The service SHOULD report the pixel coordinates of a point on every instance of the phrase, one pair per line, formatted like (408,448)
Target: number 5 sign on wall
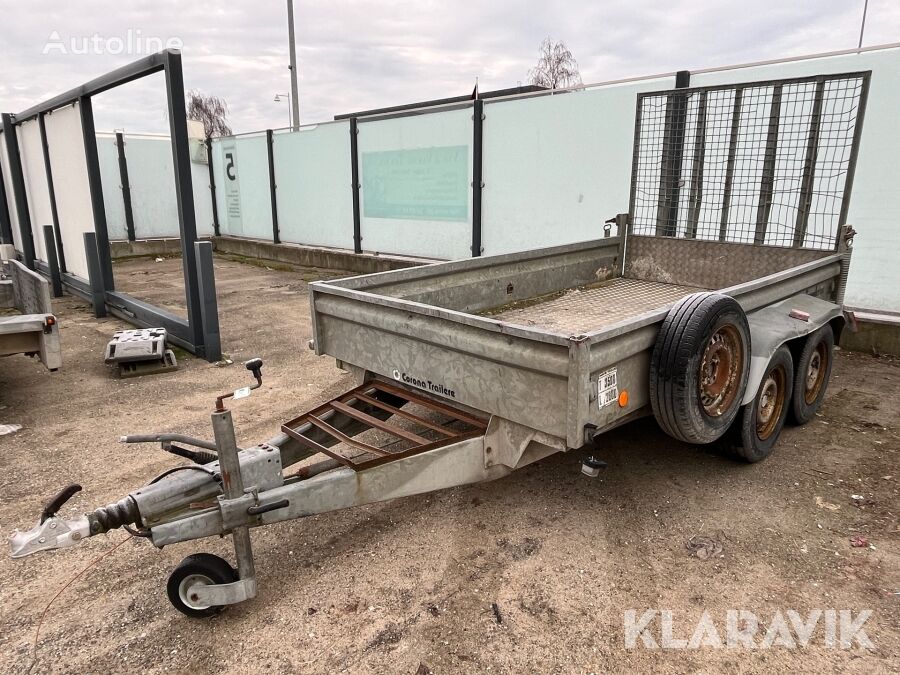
(232,187)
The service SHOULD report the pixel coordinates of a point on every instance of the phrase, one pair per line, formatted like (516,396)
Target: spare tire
(699,367)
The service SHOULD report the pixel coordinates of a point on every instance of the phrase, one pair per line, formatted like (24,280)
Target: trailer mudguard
(773,326)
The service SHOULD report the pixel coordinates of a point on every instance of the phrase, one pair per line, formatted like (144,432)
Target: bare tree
(211,110)
(556,67)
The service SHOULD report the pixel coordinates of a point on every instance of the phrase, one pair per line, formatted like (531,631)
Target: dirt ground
(532,573)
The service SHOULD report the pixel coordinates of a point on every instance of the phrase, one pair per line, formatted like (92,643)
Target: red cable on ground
(37,632)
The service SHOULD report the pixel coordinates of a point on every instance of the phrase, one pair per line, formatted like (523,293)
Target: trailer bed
(532,337)
(589,308)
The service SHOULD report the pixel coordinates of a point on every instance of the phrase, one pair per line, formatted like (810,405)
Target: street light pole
(295,96)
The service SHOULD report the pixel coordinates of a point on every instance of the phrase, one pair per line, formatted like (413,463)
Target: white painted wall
(253,204)
(31,152)
(428,238)
(70,184)
(312,175)
(152,179)
(10,196)
(113,203)
(556,167)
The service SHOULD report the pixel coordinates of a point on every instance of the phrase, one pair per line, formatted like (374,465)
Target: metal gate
(759,163)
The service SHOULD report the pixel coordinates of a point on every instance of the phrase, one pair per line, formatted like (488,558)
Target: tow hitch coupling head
(51,534)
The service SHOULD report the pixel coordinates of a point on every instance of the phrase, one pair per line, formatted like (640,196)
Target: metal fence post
(95,275)
(729,167)
(52,262)
(126,185)
(209,309)
(5,221)
(270,150)
(854,154)
(695,194)
(809,166)
(19,193)
(212,185)
(767,179)
(54,213)
(95,185)
(672,154)
(477,177)
(354,180)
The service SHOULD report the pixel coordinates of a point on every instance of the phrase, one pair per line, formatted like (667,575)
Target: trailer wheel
(699,367)
(762,420)
(812,375)
(202,568)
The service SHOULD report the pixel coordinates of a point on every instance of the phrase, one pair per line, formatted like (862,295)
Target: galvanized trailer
(33,329)
(529,337)
(465,371)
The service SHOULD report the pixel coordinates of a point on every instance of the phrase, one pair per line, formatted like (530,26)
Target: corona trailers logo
(427,385)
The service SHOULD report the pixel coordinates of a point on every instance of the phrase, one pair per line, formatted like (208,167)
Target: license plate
(608,387)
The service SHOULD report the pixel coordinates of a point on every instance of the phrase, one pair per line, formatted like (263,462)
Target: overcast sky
(361,54)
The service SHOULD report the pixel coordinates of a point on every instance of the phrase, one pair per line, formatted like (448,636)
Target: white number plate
(608,387)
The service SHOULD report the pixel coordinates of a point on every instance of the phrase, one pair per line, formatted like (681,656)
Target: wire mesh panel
(759,163)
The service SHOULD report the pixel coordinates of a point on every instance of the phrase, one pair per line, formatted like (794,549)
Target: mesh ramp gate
(416,424)
(767,163)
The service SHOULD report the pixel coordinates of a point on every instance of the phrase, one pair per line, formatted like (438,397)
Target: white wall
(151,177)
(312,178)
(556,167)
(445,238)
(244,201)
(111,182)
(31,152)
(10,195)
(70,184)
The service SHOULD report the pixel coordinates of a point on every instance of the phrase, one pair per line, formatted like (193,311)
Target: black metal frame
(125,185)
(58,251)
(354,184)
(20,194)
(273,198)
(6,236)
(199,333)
(52,261)
(422,107)
(673,151)
(212,185)
(477,175)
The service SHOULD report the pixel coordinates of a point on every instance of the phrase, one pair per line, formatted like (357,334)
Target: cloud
(360,54)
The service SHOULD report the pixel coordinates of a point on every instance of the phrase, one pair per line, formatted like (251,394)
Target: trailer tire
(701,332)
(204,568)
(812,374)
(760,422)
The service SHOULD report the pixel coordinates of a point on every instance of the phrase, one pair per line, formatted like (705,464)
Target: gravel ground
(531,573)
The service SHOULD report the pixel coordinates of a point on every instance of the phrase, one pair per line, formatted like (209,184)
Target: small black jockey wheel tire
(812,374)
(761,421)
(699,367)
(203,568)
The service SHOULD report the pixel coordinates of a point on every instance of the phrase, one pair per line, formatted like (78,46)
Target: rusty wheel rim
(771,402)
(815,373)
(721,367)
